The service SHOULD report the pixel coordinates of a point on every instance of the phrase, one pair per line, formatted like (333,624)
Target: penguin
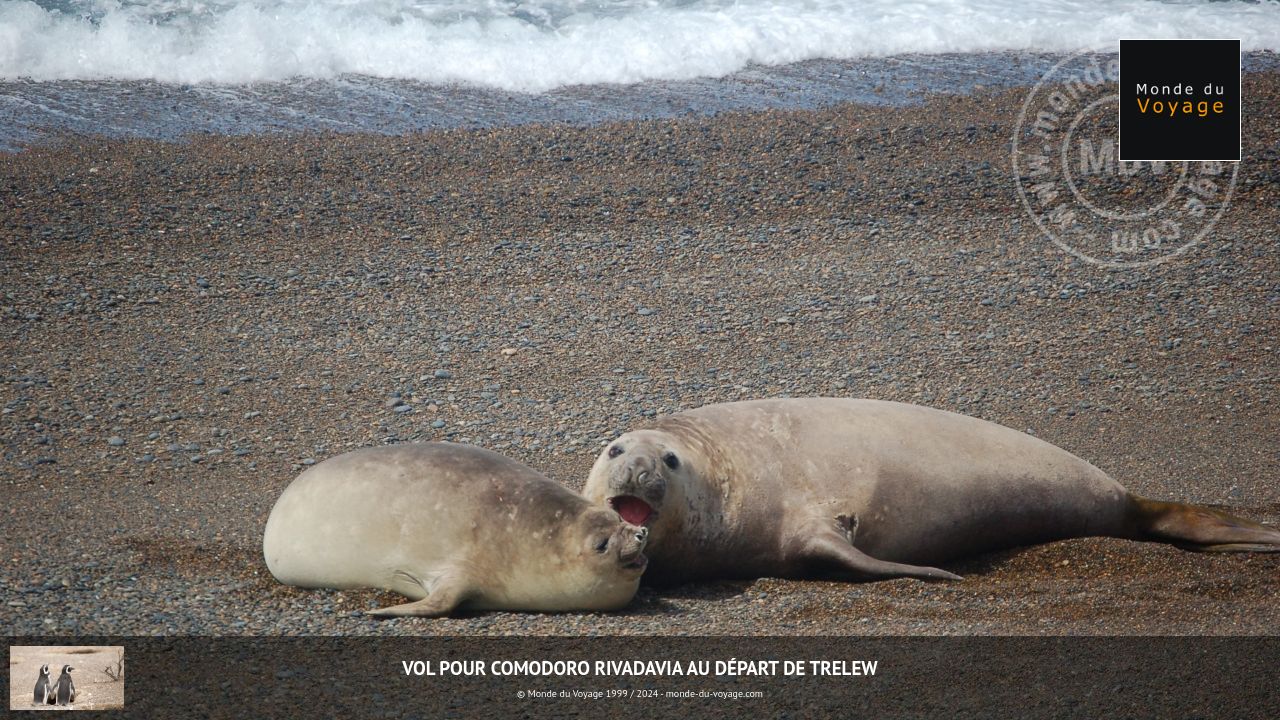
(66,690)
(43,690)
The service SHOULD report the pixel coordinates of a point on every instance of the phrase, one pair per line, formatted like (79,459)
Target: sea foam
(543,44)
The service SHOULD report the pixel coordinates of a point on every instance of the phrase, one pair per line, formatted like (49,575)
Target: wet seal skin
(868,490)
(451,526)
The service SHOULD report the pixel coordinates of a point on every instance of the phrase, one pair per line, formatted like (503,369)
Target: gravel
(855,251)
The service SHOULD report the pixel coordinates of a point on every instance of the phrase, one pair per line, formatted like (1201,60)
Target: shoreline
(230,307)
(44,114)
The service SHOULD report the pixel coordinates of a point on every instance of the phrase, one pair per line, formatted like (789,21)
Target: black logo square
(1180,100)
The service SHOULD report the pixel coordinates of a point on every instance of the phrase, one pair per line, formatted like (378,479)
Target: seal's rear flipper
(1199,529)
(834,549)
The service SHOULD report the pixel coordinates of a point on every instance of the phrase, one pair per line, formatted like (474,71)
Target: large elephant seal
(868,489)
(451,525)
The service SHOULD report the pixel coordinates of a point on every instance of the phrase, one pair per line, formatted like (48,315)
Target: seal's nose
(640,469)
(642,534)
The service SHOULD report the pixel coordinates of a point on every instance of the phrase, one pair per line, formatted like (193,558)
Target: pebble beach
(188,325)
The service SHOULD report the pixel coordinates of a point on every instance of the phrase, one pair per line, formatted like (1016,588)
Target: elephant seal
(451,525)
(868,489)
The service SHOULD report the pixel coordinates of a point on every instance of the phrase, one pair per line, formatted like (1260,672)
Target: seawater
(538,45)
(169,68)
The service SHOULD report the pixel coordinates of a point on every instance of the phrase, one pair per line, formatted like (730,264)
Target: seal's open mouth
(631,508)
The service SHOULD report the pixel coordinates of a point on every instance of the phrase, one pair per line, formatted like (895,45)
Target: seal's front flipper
(444,597)
(1200,529)
(431,606)
(833,549)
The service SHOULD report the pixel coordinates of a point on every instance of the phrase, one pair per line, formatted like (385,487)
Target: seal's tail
(1201,529)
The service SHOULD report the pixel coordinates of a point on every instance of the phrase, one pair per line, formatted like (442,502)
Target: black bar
(918,677)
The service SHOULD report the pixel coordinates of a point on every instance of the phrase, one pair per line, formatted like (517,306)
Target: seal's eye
(602,545)
(671,461)
(615,451)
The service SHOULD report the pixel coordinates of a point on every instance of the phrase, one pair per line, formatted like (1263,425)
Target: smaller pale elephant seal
(451,526)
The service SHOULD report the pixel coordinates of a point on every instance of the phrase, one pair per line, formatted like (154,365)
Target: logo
(1091,204)
(1180,100)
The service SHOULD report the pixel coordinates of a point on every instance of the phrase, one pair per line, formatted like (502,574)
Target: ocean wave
(543,44)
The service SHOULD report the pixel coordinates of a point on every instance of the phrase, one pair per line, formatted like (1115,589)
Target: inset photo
(66,677)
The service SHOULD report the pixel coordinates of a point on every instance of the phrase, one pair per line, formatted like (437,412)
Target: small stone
(115,441)
(202,282)
(645,311)
(402,409)
(442,375)
(222,390)
(251,414)
(868,298)
(509,351)
(308,461)
(437,424)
